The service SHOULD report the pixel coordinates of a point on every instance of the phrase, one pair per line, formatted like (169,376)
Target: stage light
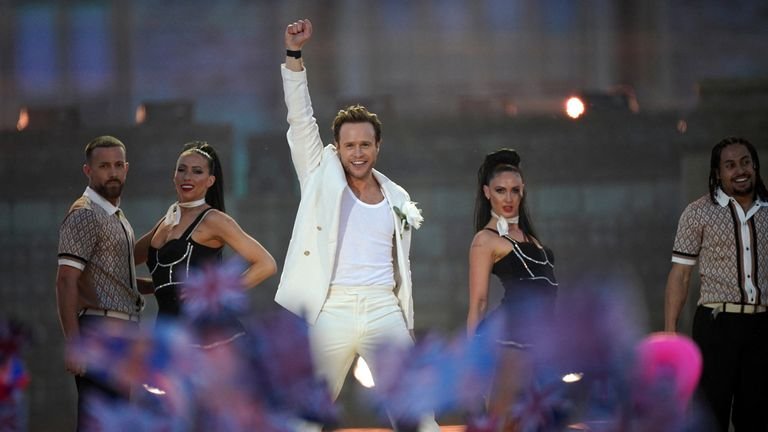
(48,117)
(574,107)
(141,114)
(165,112)
(572,377)
(617,99)
(23,121)
(682,126)
(363,373)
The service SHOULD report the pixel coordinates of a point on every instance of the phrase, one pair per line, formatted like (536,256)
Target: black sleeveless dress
(170,266)
(528,276)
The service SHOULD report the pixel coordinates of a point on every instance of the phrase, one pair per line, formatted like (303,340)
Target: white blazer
(311,253)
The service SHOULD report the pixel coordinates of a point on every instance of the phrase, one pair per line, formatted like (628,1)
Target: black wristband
(294,54)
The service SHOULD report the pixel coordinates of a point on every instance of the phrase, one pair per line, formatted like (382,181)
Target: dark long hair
(499,161)
(215,195)
(714,166)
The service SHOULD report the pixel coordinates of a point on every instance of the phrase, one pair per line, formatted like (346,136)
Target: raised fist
(297,34)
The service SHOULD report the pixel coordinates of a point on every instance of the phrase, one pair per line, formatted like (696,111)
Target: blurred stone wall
(452,81)
(605,194)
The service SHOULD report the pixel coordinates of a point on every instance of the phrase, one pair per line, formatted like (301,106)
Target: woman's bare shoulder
(217,217)
(484,238)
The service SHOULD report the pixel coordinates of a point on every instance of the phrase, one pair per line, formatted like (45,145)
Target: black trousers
(734,381)
(95,385)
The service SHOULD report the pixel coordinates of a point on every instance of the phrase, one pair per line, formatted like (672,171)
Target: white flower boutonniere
(410,215)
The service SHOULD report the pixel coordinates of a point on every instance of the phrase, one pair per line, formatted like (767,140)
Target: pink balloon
(669,356)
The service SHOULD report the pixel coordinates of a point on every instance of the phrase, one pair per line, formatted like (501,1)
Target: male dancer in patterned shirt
(726,233)
(96,282)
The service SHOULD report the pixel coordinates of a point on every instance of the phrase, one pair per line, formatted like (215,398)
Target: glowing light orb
(574,107)
(23,120)
(153,390)
(141,114)
(573,377)
(363,373)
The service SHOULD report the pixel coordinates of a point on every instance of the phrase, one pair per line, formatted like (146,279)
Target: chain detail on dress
(187,256)
(523,257)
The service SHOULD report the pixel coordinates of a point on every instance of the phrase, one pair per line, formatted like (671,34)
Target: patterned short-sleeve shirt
(101,245)
(730,246)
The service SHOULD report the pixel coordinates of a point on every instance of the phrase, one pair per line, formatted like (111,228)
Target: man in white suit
(347,270)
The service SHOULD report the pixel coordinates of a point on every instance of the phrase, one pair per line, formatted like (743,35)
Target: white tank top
(364,251)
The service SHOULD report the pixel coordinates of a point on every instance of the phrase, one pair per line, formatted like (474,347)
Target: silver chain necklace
(520,254)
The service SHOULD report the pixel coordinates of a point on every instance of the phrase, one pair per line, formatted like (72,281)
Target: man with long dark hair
(726,233)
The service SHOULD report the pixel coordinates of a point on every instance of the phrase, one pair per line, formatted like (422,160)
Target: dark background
(451,80)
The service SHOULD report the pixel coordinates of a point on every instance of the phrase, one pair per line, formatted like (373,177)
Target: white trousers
(357,320)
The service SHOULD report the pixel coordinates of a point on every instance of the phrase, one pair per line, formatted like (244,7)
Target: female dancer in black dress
(194,231)
(505,244)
